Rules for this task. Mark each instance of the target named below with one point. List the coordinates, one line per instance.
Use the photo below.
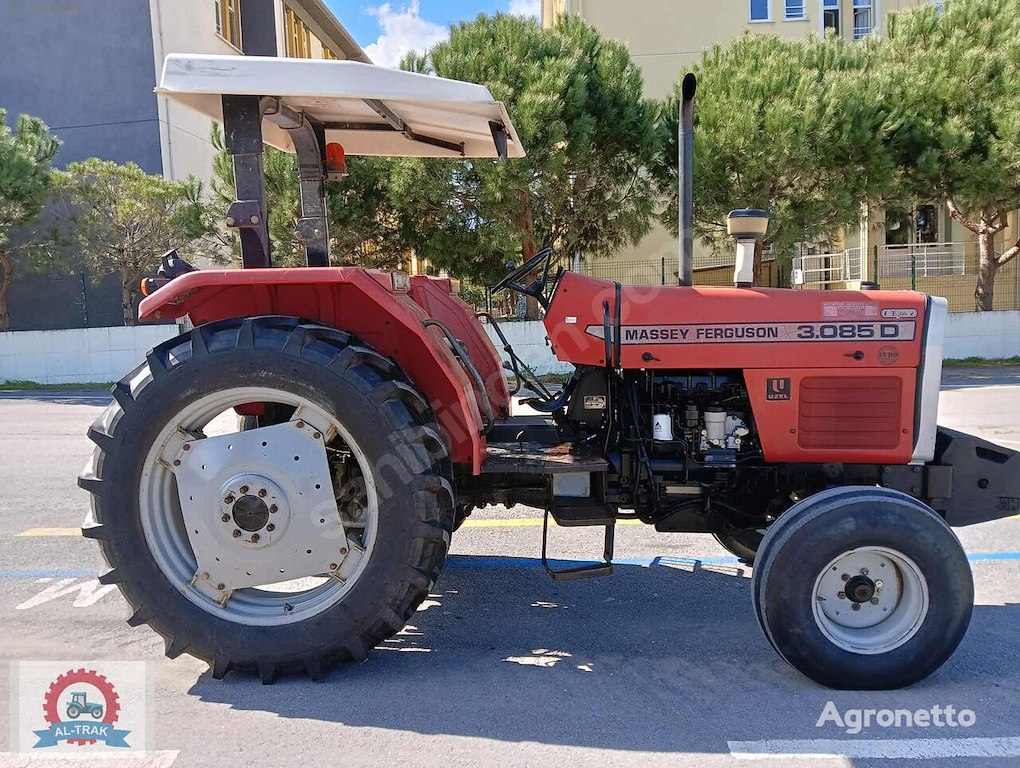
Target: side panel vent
(849, 412)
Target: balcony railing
(826, 268)
(924, 259)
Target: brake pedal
(579, 571)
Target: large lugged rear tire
(863, 588)
(386, 439)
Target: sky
(389, 30)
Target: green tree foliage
(789, 126)
(25, 157)
(120, 220)
(576, 101)
(364, 226)
(954, 77)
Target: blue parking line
(465, 562)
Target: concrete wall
(86, 68)
(528, 341)
(106, 354)
(983, 334)
(77, 356)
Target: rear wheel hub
(250, 513)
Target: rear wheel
(289, 545)
(863, 588)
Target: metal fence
(823, 269)
(924, 259)
(944, 269)
(665, 271)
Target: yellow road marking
(51, 532)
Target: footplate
(586, 570)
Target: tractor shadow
(660, 658)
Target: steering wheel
(535, 289)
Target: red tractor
(275, 490)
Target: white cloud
(403, 30)
(526, 8)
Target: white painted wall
(990, 335)
(78, 355)
(529, 342)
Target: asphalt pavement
(661, 663)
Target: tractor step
(539, 458)
(587, 570)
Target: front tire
(384, 430)
(863, 589)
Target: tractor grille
(849, 412)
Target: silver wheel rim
(163, 525)
(889, 618)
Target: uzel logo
(777, 389)
(81, 707)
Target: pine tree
(954, 78)
(25, 158)
(576, 102)
(789, 126)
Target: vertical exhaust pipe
(686, 143)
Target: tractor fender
(362, 302)
(439, 300)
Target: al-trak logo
(81, 707)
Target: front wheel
(863, 588)
(301, 542)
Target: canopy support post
(313, 227)
(242, 133)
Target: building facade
(923, 248)
(88, 69)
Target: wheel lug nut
(879, 584)
(262, 493)
(228, 499)
(255, 538)
(841, 595)
(343, 550)
(845, 577)
(300, 424)
(856, 606)
(874, 601)
(237, 533)
(864, 571)
(244, 489)
(221, 586)
(317, 435)
(270, 527)
(333, 566)
(225, 519)
(273, 509)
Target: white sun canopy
(370, 110)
